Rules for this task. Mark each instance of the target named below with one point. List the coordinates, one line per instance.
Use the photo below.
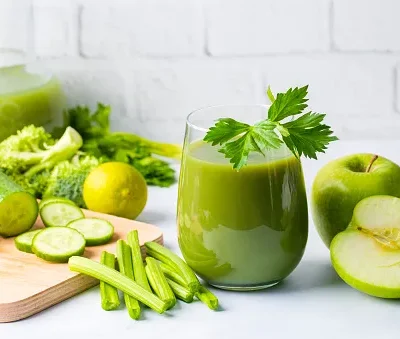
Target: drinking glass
(241, 229)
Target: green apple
(367, 254)
(342, 183)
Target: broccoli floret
(28, 139)
(33, 150)
(67, 178)
(34, 185)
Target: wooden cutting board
(28, 284)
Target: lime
(115, 188)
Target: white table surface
(312, 302)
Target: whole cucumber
(18, 208)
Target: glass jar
(239, 230)
(29, 94)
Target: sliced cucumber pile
(59, 214)
(66, 234)
(24, 241)
(58, 244)
(95, 231)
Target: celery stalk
(168, 257)
(207, 298)
(180, 292)
(139, 271)
(118, 280)
(159, 283)
(171, 274)
(125, 264)
(109, 294)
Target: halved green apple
(367, 254)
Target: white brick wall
(149, 28)
(371, 25)
(15, 18)
(340, 85)
(256, 27)
(171, 90)
(155, 61)
(57, 23)
(88, 82)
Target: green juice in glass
(243, 229)
(28, 96)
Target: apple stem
(371, 162)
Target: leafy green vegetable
(255, 138)
(292, 102)
(28, 139)
(18, 154)
(67, 178)
(89, 125)
(35, 184)
(155, 171)
(29, 156)
(305, 135)
(120, 146)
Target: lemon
(115, 188)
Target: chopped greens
(99, 141)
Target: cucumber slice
(45, 201)
(24, 241)
(95, 231)
(58, 244)
(18, 208)
(59, 214)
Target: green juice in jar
(243, 229)
(28, 96)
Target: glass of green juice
(29, 94)
(239, 230)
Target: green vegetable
(67, 178)
(305, 135)
(59, 214)
(118, 280)
(35, 185)
(181, 292)
(155, 171)
(159, 283)
(177, 283)
(32, 150)
(168, 257)
(137, 151)
(95, 231)
(139, 271)
(125, 264)
(109, 294)
(48, 200)
(24, 241)
(207, 297)
(172, 275)
(58, 244)
(18, 208)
